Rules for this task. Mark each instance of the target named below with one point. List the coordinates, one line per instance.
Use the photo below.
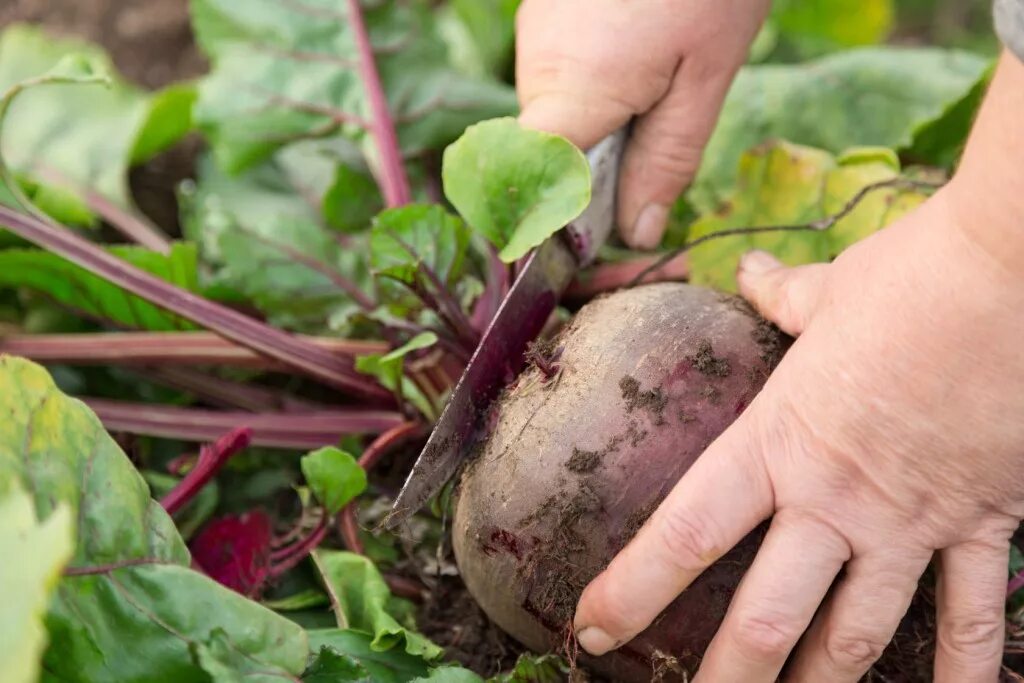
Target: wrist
(986, 195)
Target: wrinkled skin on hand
(585, 67)
(890, 433)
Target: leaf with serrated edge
(360, 599)
(129, 608)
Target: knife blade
(520, 318)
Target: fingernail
(758, 262)
(595, 641)
(649, 226)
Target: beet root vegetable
(576, 462)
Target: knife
(498, 359)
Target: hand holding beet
(890, 433)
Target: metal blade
(497, 361)
(499, 357)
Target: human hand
(891, 431)
(586, 67)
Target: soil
(652, 400)
(707, 364)
(451, 618)
(150, 42)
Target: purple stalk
(298, 430)
(498, 283)
(393, 180)
(287, 558)
(225, 393)
(211, 459)
(1015, 584)
(333, 276)
(132, 226)
(293, 351)
(164, 348)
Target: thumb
(665, 150)
(786, 296)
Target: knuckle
(689, 540)
(972, 637)
(618, 615)
(765, 638)
(672, 157)
(853, 651)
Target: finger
(858, 619)
(797, 562)
(786, 296)
(724, 495)
(578, 114)
(665, 150)
(970, 599)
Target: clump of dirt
(712, 394)
(707, 363)
(451, 618)
(652, 401)
(771, 341)
(582, 462)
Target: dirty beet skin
(579, 459)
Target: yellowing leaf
(786, 184)
(34, 552)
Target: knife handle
(593, 227)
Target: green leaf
(196, 512)
(515, 185)
(870, 96)
(536, 669)
(225, 663)
(265, 241)
(76, 137)
(352, 200)
(331, 666)
(168, 120)
(389, 368)
(480, 34)
(818, 26)
(388, 666)
(298, 601)
(35, 553)
(132, 610)
(406, 238)
(334, 476)
(361, 601)
(289, 71)
(786, 184)
(92, 296)
(450, 674)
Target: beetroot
(646, 379)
